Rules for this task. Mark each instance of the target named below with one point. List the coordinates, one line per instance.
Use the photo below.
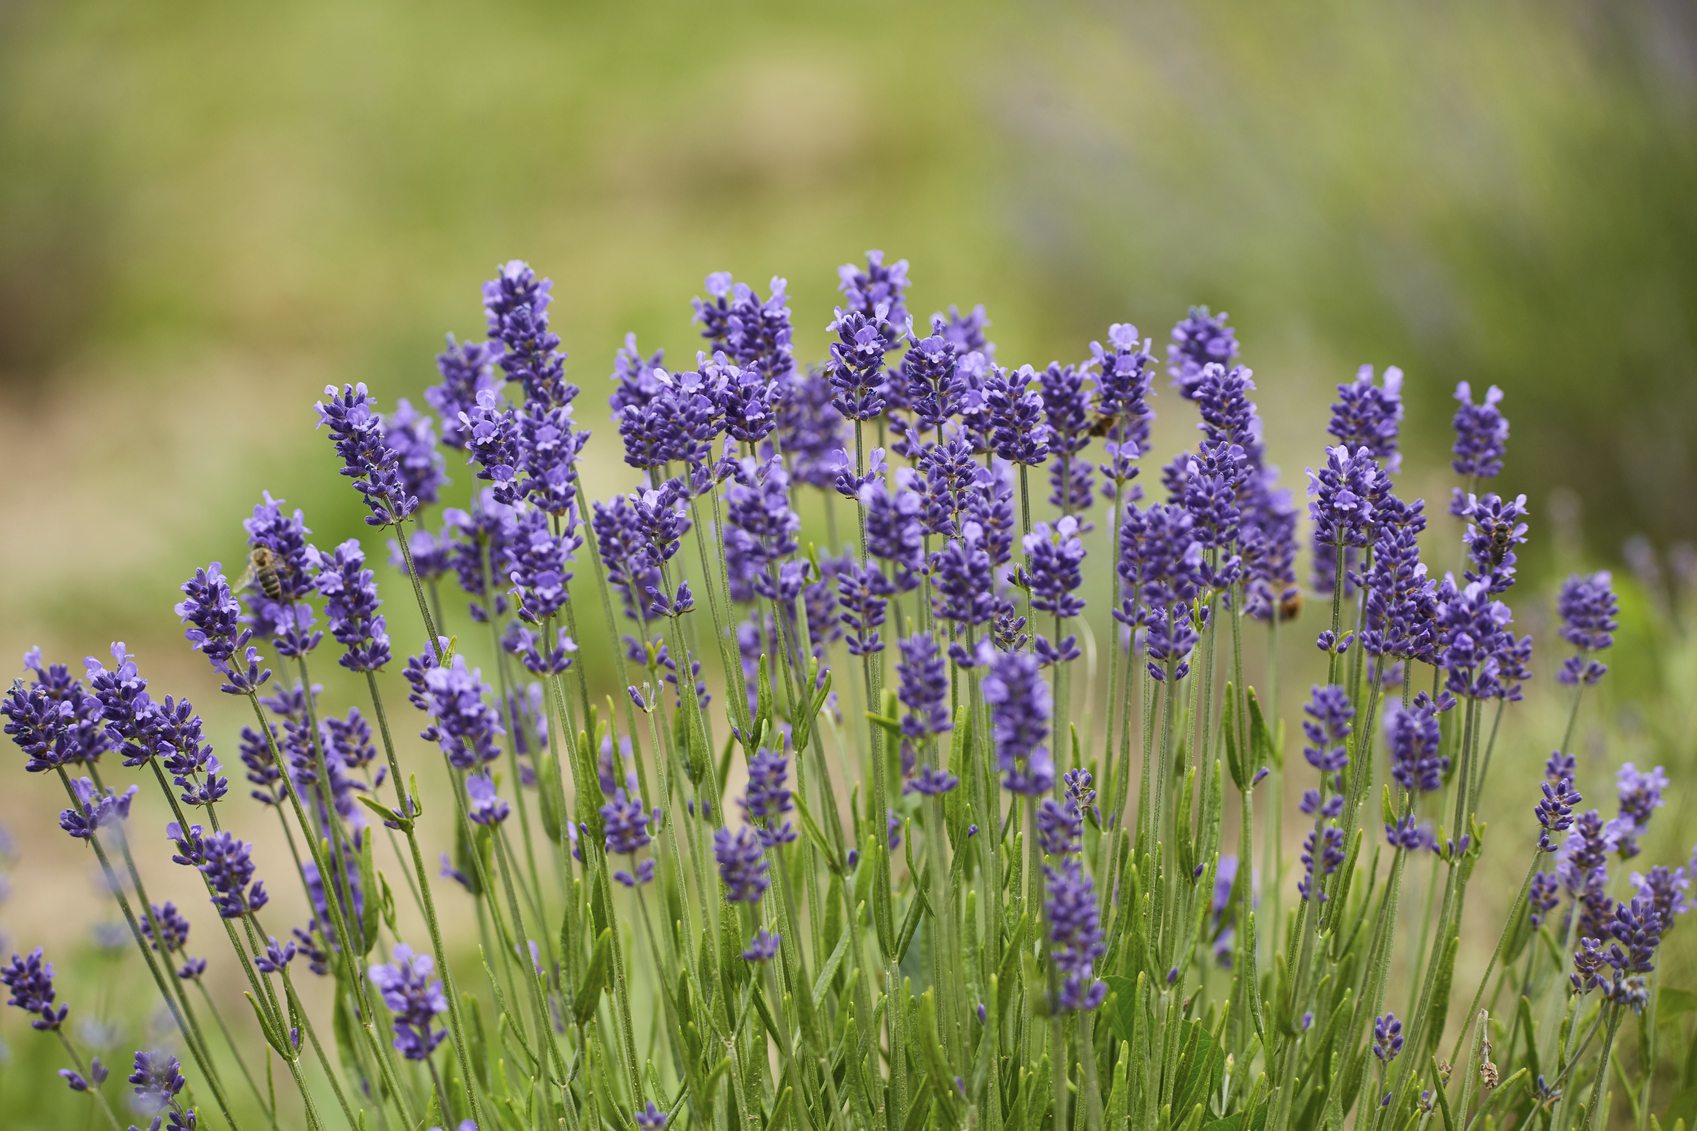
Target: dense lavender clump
(694, 882)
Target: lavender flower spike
(415, 998)
(1588, 611)
(375, 467)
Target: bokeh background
(210, 211)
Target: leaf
(388, 815)
(1120, 1005)
(594, 979)
(1261, 743)
(373, 907)
(552, 818)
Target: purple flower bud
(31, 981)
(1369, 415)
(358, 434)
(1202, 339)
(1019, 699)
(1075, 935)
(414, 998)
(742, 864)
(516, 303)
(1588, 611)
(1481, 433)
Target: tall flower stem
(432, 920)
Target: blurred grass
(212, 211)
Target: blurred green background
(210, 211)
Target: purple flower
(94, 809)
(158, 1078)
(493, 441)
(1399, 594)
(516, 303)
(538, 563)
(1323, 852)
(1054, 570)
(1555, 810)
(809, 432)
(1387, 1037)
(1228, 415)
(227, 866)
(1327, 729)
(752, 332)
(674, 426)
(1588, 611)
(651, 1118)
(1494, 529)
(486, 806)
(966, 331)
(350, 603)
(213, 615)
(1202, 339)
(1075, 935)
(855, 370)
(860, 596)
(1123, 379)
(761, 528)
(1640, 796)
(1664, 888)
(1476, 647)
(1012, 416)
(31, 981)
(1345, 495)
(1542, 898)
(1582, 867)
(767, 798)
(763, 947)
(1060, 827)
(742, 864)
(462, 721)
(480, 543)
(172, 937)
(1161, 569)
(97, 1075)
(948, 474)
(625, 822)
(745, 398)
(549, 442)
(412, 436)
(53, 720)
(415, 999)
(633, 373)
(358, 434)
(1412, 736)
(1020, 707)
(924, 688)
(1481, 434)
(465, 369)
(1069, 409)
(879, 285)
(1369, 415)
(894, 532)
(963, 580)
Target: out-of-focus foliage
(209, 211)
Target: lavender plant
(863, 838)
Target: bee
(265, 569)
(1103, 425)
(1290, 605)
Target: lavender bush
(870, 837)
